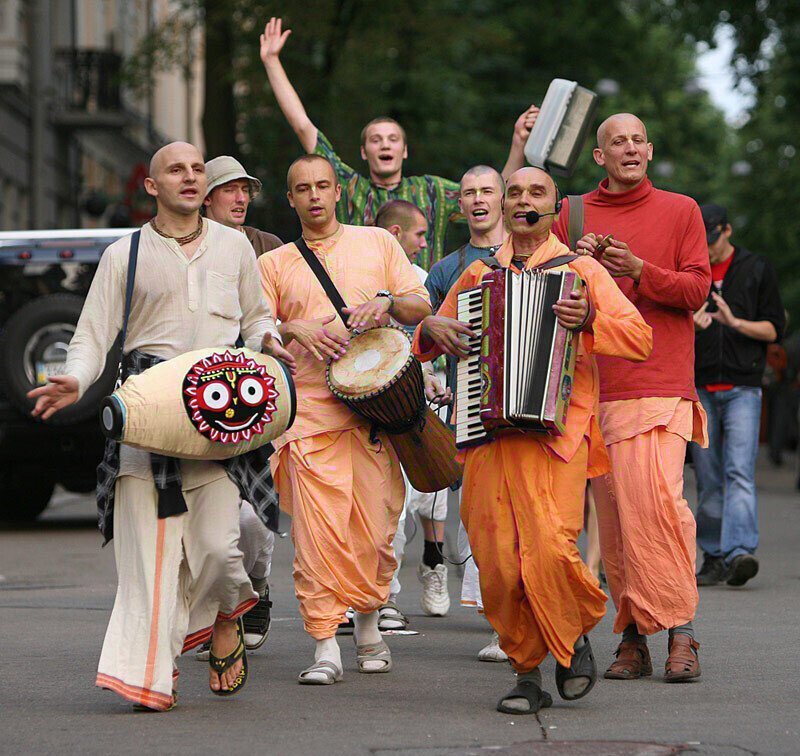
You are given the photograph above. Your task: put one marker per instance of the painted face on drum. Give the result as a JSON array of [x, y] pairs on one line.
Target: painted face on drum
[[229, 398]]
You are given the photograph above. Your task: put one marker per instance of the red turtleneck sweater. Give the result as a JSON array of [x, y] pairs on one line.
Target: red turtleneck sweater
[[666, 231]]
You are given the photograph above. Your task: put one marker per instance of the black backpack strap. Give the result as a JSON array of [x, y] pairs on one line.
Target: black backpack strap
[[462, 258], [322, 276], [133, 258], [556, 262], [575, 226]]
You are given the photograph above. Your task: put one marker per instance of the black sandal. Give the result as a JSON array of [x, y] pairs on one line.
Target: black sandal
[[582, 666], [532, 693], [220, 666]]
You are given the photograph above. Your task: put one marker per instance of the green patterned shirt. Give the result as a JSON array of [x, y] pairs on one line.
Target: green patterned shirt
[[437, 197]]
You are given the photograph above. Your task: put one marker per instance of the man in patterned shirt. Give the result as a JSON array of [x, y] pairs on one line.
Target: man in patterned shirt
[[384, 147]]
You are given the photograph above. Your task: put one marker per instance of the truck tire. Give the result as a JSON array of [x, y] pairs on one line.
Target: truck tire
[[83, 483], [34, 343], [24, 493]]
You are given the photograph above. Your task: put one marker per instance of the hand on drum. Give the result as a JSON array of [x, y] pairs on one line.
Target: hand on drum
[[272, 347], [447, 334], [434, 391], [59, 392], [573, 312], [369, 314], [316, 339]]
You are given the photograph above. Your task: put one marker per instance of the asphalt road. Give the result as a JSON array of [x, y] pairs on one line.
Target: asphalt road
[[57, 588]]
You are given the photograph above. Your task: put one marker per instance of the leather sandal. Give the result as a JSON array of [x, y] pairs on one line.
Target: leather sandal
[[683, 664], [633, 661]]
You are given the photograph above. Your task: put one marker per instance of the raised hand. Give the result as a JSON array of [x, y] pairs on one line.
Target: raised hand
[[446, 333], [59, 392], [271, 346], [312, 335], [524, 124], [273, 40]]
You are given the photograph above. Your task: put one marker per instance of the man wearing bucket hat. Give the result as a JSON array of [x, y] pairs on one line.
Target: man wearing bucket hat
[[230, 191], [742, 315]]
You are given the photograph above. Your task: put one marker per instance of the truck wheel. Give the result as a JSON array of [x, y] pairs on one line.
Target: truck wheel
[[24, 494], [33, 346], [76, 483]]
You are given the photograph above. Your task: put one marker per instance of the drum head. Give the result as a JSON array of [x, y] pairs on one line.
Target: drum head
[[374, 359]]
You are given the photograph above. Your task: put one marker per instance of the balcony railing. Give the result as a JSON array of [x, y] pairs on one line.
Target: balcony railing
[[88, 85]]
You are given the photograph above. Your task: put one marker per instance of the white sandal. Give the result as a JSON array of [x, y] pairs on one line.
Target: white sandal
[[391, 618], [374, 652], [331, 672]]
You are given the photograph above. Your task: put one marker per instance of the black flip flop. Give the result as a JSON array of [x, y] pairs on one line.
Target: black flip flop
[[532, 693], [581, 666], [220, 666]]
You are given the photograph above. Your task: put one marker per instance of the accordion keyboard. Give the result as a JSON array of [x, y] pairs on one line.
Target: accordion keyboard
[[469, 428]]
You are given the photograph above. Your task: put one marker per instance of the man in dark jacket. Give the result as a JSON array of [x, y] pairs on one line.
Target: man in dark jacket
[[743, 314]]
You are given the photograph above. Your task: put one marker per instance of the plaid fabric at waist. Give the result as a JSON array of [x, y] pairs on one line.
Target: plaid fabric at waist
[[250, 472]]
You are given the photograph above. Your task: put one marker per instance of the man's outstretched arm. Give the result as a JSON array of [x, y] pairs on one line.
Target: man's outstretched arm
[[522, 130], [272, 42]]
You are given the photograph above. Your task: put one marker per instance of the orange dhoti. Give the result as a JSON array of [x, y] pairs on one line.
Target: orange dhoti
[[523, 510], [345, 496], [647, 531]]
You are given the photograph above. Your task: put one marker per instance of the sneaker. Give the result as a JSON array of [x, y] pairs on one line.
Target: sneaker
[[257, 623], [741, 569], [492, 652], [712, 572], [435, 600], [203, 652]]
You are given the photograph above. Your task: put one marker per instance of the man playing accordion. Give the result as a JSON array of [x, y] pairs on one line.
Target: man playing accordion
[[522, 502]]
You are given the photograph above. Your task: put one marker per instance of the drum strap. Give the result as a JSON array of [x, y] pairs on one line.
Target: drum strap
[[324, 279], [133, 258]]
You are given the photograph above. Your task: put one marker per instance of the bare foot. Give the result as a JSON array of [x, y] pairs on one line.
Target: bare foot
[[223, 642]]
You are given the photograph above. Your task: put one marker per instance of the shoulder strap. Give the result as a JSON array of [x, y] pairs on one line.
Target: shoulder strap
[[575, 228], [556, 262], [462, 258], [322, 276], [492, 262], [133, 257]]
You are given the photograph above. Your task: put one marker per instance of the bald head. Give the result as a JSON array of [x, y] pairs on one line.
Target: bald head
[[619, 123], [398, 212], [531, 176], [174, 152], [315, 162]]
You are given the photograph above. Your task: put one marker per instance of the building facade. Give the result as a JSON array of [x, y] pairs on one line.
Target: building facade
[[75, 135]]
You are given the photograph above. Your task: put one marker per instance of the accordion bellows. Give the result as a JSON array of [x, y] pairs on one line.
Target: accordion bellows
[[208, 404]]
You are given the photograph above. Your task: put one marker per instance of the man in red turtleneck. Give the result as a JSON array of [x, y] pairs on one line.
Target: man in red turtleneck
[[648, 410]]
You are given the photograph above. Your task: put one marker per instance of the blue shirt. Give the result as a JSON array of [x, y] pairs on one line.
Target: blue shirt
[[440, 280]]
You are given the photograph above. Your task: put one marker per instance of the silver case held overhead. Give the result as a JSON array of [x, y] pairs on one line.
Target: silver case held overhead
[[557, 137]]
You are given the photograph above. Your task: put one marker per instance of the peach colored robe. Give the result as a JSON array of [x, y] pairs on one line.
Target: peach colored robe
[[344, 494], [522, 500], [647, 531]]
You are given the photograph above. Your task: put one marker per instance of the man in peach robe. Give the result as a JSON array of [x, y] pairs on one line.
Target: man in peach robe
[[522, 501], [649, 411], [344, 493]]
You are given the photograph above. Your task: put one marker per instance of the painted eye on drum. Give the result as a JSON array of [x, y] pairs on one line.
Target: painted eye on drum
[[215, 396], [251, 390]]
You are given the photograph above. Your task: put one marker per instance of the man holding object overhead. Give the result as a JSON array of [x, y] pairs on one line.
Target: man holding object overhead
[[537, 593], [648, 411], [344, 492]]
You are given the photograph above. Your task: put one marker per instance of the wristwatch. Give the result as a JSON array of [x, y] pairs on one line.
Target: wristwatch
[[389, 296]]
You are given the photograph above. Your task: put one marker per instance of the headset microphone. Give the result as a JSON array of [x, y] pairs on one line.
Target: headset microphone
[[532, 217]]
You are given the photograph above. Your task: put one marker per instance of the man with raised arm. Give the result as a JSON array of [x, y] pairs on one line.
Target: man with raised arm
[[649, 411], [175, 523], [343, 491], [523, 528], [383, 147]]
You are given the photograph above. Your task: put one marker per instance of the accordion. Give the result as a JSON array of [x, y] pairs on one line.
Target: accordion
[[564, 118], [518, 375]]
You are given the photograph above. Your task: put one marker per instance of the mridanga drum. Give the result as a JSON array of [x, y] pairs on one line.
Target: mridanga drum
[[208, 404], [380, 379]]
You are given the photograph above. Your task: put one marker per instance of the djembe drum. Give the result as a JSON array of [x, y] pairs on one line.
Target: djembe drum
[[381, 380], [208, 404]]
